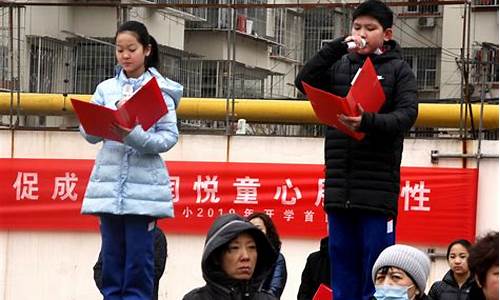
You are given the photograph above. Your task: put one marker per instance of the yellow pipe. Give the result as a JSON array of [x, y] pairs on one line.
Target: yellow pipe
[[267, 111]]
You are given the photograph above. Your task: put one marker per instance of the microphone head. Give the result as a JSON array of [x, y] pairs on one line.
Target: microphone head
[[353, 45]]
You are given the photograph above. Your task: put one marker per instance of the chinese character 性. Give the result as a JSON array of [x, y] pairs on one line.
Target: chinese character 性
[[64, 187], [320, 196], [246, 190], [174, 188], [26, 185], [209, 186], [418, 193], [282, 192]]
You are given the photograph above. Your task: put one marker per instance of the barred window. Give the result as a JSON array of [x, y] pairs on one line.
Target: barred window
[[423, 62]]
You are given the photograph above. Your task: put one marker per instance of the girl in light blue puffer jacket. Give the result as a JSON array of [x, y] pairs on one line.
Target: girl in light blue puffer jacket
[[129, 188]]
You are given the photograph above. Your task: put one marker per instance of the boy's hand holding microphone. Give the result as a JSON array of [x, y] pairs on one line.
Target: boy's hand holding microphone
[[354, 42]]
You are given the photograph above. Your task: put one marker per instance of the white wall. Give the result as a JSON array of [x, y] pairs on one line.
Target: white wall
[[58, 265]]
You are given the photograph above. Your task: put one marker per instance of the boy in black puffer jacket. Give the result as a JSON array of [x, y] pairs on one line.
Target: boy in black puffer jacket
[[362, 178]]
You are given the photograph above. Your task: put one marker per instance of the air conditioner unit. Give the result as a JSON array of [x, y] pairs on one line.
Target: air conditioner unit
[[426, 22]]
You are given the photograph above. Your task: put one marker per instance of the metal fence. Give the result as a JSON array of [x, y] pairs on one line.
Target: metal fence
[[76, 64]]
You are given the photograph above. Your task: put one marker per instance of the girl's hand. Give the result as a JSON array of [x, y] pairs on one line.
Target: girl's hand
[[120, 130], [352, 123]]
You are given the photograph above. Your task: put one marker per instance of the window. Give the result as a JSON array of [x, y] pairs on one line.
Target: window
[[422, 8], [320, 25], [49, 65], [287, 30], [4, 68], [485, 60], [482, 3], [423, 62], [94, 62]]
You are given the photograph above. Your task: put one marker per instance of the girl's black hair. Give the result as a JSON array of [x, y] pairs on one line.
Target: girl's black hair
[[465, 243], [271, 231], [146, 40]]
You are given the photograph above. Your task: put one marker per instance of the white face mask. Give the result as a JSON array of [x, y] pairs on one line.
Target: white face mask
[[392, 292]]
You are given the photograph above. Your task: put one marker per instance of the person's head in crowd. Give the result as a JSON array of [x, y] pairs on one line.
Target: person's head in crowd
[[372, 20], [401, 272], [457, 255], [266, 225], [236, 255], [483, 262]]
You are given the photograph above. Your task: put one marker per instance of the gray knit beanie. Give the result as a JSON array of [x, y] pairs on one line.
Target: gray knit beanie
[[413, 261]]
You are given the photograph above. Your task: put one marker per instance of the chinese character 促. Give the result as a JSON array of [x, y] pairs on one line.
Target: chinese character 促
[[26, 185]]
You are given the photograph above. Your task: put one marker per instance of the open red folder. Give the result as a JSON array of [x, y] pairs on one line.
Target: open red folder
[[323, 293], [366, 90], [145, 107]]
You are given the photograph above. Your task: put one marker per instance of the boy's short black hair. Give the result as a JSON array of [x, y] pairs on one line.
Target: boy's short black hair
[[375, 9]]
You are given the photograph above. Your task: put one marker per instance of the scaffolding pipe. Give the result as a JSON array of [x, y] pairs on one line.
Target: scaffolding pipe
[[222, 5], [253, 110]]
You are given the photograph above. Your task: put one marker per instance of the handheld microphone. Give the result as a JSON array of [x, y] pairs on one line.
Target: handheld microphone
[[352, 44]]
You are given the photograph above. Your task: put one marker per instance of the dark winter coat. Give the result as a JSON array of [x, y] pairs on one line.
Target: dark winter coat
[[160, 257], [218, 285], [365, 174], [316, 272], [448, 288], [276, 280]]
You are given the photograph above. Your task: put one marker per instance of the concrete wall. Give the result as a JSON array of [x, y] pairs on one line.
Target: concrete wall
[[58, 265], [249, 51]]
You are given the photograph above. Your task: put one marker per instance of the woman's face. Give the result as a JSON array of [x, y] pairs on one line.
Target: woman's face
[[396, 277], [259, 223], [490, 288], [457, 259], [240, 257]]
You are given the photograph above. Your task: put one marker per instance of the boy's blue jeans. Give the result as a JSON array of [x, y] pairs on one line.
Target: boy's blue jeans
[[127, 257], [356, 239]]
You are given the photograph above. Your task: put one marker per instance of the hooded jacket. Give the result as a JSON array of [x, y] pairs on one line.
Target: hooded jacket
[[218, 285], [131, 177], [365, 175], [448, 288]]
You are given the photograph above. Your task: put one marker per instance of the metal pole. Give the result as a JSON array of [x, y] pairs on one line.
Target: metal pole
[[229, 71], [469, 9], [462, 71], [18, 83], [483, 68], [39, 65], [11, 56]]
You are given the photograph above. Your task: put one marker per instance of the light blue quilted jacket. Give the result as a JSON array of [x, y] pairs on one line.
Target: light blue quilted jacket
[[131, 177]]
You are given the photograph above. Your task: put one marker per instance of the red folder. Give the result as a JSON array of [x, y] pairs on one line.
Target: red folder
[[323, 293], [145, 107], [366, 90]]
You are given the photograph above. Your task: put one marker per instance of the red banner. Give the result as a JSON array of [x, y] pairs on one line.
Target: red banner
[[436, 205]]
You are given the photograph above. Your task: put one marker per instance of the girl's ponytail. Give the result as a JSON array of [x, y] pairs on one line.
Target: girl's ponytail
[[153, 59]]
